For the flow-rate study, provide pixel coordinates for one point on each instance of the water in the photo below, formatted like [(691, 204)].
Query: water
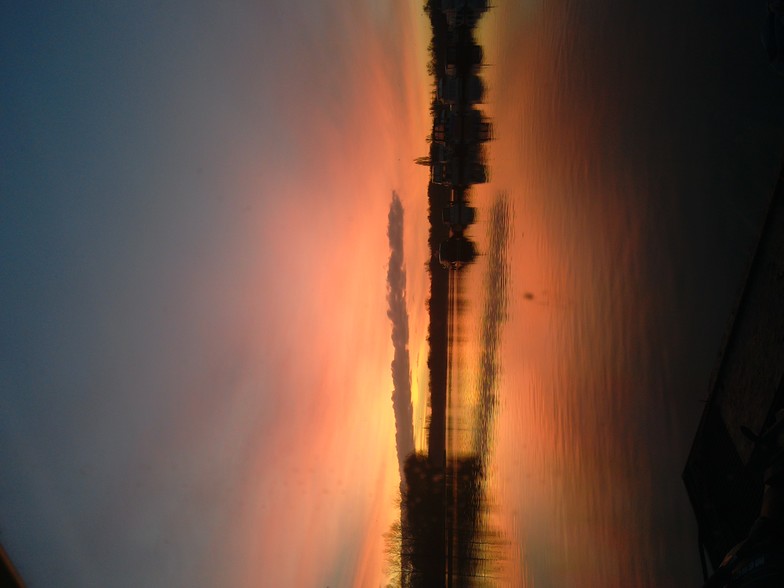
[(639, 145), (636, 151)]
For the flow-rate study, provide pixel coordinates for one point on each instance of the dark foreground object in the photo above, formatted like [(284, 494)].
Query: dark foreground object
[(9, 577), (758, 560), (773, 34), (737, 454)]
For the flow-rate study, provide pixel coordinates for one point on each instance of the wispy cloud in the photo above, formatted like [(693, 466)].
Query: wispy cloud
[(398, 314)]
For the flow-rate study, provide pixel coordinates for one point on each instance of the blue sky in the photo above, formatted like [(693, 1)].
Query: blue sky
[(168, 306)]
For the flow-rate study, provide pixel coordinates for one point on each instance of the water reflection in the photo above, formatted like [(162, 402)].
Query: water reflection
[(494, 313), (446, 531), (445, 534), (636, 238), (636, 171)]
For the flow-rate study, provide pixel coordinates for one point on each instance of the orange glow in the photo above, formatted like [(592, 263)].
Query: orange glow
[(556, 480), (321, 476)]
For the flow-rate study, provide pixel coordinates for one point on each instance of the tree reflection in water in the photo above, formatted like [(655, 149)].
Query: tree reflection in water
[(444, 535)]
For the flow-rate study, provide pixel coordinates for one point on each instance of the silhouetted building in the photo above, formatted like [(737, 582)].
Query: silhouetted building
[(463, 12), (451, 127), (458, 216), (458, 174), (460, 90), (465, 57), (456, 252)]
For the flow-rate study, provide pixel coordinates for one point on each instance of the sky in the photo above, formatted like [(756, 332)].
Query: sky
[(195, 352)]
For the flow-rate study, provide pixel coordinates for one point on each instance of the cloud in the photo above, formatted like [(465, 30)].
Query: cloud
[(398, 314)]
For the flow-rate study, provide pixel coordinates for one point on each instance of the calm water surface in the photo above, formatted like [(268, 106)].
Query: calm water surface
[(638, 146)]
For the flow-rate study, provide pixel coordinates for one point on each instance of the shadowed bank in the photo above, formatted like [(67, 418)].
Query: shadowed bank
[(726, 470)]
